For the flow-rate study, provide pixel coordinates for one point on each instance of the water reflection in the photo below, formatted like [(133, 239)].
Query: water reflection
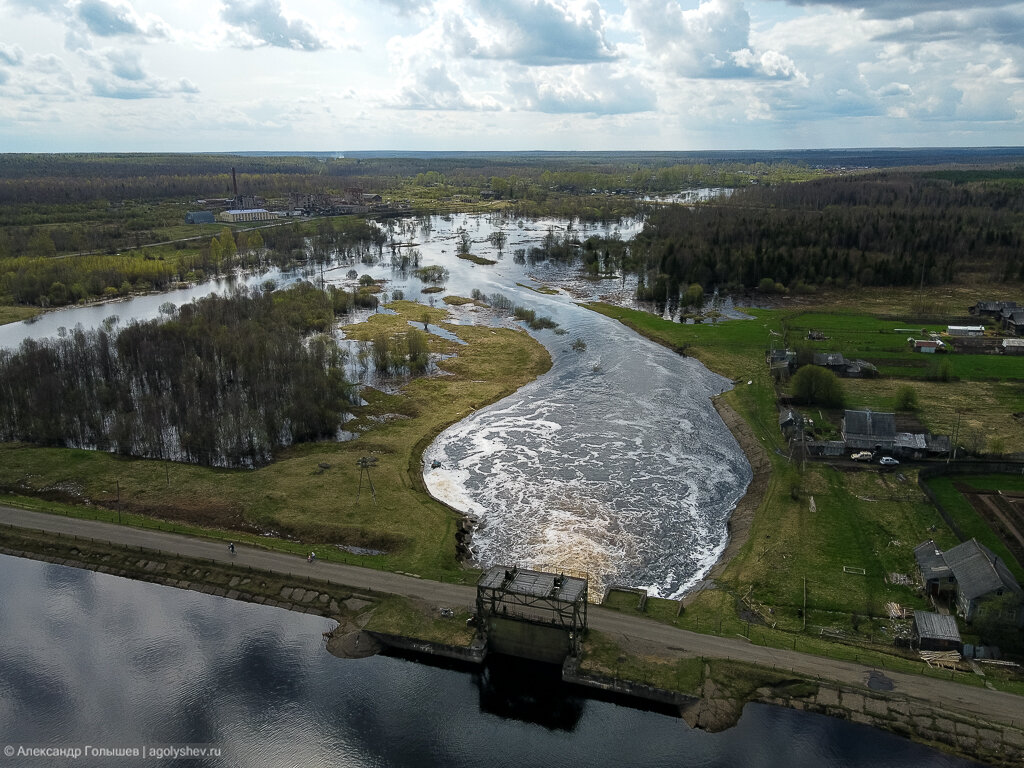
[(144, 664)]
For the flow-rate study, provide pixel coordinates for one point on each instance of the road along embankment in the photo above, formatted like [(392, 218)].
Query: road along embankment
[(973, 721)]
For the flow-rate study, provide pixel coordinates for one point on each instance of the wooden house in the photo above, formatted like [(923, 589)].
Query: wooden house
[(869, 430)]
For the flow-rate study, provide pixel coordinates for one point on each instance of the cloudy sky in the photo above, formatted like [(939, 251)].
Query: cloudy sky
[(218, 75)]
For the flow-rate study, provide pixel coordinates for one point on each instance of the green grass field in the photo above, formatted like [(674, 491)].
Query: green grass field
[(862, 519), (972, 525), (294, 499)]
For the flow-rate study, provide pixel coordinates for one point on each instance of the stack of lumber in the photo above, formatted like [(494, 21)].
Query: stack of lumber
[(897, 611), (945, 659)]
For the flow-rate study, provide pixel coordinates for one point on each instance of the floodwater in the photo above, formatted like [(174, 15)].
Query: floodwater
[(614, 463), (92, 659)]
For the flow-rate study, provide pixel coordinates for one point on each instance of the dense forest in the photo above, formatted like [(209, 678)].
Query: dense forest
[(53, 281), (882, 229), (222, 381)]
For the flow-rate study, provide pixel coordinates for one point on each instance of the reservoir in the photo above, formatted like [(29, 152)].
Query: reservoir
[(93, 659)]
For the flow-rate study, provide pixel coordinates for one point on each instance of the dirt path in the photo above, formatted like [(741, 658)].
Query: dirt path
[(635, 632)]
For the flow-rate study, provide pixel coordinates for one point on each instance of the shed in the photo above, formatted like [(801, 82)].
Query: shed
[(832, 360), (927, 346), (937, 444), (936, 632), (200, 217), (790, 422), (966, 330), (1013, 346), (833, 448), (910, 444), (869, 430)]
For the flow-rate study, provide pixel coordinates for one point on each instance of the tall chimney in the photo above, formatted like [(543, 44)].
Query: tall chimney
[(234, 182)]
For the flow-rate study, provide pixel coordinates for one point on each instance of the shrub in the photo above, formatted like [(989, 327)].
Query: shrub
[(814, 384), (906, 398)]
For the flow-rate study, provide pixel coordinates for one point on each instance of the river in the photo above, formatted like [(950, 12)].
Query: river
[(93, 659), (614, 463)]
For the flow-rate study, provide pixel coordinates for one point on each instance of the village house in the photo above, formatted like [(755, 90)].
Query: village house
[(1013, 322), (993, 309), (867, 430), (1012, 347), (974, 580), (926, 346), (840, 366), (966, 330)]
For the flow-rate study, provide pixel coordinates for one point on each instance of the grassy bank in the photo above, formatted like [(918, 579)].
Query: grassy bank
[(309, 496), (814, 572)]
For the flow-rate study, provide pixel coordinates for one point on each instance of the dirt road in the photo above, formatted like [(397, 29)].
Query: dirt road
[(639, 633)]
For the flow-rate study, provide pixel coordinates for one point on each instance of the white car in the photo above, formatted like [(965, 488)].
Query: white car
[(888, 461), (862, 456)]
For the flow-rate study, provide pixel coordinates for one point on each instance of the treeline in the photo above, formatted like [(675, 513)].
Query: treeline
[(223, 381), (48, 281), (76, 179), (885, 229)]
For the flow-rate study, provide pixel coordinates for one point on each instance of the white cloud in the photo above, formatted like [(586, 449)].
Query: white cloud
[(11, 55), (711, 41), (105, 19), (263, 23), (583, 91), (114, 87), (531, 32), (897, 9)]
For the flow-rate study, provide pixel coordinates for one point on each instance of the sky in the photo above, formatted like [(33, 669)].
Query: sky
[(233, 75)]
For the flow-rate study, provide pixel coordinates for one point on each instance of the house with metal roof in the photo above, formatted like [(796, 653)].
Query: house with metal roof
[(936, 632), (991, 308), (1013, 346), (976, 579), (965, 330), (1013, 322), (936, 575), (869, 430)]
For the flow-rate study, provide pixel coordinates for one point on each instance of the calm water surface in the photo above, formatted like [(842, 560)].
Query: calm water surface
[(87, 658)]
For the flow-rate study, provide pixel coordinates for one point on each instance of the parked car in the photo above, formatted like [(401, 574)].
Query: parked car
[(888, 461), (862, 456)]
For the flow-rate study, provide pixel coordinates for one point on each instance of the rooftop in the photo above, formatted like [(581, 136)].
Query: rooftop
[(929, 560), (522, 581), (978, 570), (936, 626), (870, 423)]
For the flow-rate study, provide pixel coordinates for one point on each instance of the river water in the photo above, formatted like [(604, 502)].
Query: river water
[(92, 659), (614, 463)]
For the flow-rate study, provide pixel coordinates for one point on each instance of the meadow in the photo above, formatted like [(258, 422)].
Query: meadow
[(310, 495)]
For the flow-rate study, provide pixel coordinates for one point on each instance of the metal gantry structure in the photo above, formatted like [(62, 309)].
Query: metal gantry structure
[(538, 597)]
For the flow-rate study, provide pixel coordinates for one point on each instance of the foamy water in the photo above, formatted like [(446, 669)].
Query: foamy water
[(614, 462)]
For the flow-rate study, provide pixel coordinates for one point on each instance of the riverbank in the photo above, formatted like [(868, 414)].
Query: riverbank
[(310, 497), (742, 518), (619, 648)]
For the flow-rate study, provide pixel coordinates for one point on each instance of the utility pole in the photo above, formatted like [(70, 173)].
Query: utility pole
[(364, 465), (956, 435)]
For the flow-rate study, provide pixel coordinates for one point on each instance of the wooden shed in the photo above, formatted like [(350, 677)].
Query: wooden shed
[(936, 632)]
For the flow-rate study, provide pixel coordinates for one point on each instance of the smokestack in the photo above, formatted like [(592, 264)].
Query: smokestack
[(234, 182)]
